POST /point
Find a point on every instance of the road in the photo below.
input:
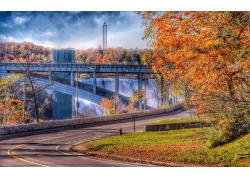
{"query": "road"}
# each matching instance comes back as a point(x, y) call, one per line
point(52, 149)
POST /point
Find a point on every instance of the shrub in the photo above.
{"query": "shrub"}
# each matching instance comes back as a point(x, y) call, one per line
point(227, 130)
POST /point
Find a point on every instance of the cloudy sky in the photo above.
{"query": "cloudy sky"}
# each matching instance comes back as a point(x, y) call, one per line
point(75, 29)
point(79, 25)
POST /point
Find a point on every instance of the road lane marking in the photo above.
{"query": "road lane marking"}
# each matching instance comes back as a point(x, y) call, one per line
point(61, 151)
point(32, 162)
point(13, 156)
point(95, 159)
point(21, 159)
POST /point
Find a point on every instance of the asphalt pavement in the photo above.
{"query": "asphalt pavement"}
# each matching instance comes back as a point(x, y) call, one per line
point(52, 149)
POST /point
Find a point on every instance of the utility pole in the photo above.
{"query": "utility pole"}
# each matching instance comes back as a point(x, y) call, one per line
point(24, 97)
point(145, 84)
point(77, 103)
point(157, 97)
point(115, 96)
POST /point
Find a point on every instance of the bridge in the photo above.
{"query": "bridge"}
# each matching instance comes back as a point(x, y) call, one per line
point(73, 68)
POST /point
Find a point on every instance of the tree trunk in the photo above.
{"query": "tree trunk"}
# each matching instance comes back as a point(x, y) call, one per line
point(34, 99)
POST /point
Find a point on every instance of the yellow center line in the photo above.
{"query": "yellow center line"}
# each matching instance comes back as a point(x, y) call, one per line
point(24, 159)
point(21, 159)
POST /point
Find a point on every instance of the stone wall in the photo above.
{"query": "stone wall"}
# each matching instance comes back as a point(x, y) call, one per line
point(50, 125)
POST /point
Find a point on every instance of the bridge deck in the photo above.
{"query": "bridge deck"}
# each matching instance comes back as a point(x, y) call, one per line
point(87, 68)
point(85, 90)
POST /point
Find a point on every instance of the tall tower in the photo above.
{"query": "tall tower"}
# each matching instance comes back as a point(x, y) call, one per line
point(104, 36)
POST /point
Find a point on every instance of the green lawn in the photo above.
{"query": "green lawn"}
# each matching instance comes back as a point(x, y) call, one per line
point(185, 146)
point(175, 121)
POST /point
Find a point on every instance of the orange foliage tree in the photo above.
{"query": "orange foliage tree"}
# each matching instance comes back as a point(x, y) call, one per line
point(9, 50)
point(12, 112)
point(112, 56)
point(108, 106)
point(11, 108)
point(209, 53)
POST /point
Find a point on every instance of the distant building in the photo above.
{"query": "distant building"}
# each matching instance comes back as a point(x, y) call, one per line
point(63, 56)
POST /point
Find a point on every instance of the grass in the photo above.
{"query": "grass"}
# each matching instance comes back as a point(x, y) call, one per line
point(181, 147)
point(176, 121)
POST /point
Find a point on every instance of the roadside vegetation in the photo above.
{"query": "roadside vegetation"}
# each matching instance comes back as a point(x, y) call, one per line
point(185, 147)
point(204, 56)
point(176, 121)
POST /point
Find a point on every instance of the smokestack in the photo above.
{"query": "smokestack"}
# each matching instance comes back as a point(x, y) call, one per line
point(104, 36)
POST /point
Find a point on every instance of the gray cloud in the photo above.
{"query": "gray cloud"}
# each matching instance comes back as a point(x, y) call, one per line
point(79, 30)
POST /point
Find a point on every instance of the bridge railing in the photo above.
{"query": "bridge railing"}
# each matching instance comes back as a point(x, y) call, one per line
point(77, 67)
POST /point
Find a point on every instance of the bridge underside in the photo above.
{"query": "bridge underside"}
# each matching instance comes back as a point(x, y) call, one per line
point(84, 91)
point(67, 89)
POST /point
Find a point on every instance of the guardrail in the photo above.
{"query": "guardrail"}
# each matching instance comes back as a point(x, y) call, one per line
point(49, 126)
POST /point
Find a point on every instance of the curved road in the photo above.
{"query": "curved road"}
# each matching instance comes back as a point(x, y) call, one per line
point(52, 149)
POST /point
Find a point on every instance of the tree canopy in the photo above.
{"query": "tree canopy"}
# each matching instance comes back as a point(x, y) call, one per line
point(209, 52)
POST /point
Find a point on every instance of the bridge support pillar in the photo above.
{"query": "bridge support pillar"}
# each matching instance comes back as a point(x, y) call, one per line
point(94, 82)
point(145, 94)
point(50, 75)
point(72, 79)
point(140, 87)
point(117, 84)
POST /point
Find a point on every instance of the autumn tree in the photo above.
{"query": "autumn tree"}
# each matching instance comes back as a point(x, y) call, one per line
point(90, 111)
point(138, 95)
point(26, 54)
point(2, 52)
point(111, 56)
point(110, 106)
point(117, 55)
point(8, 49)
point(209, 52)
point(81, 56)
point(11, 108)
point(146, 58)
